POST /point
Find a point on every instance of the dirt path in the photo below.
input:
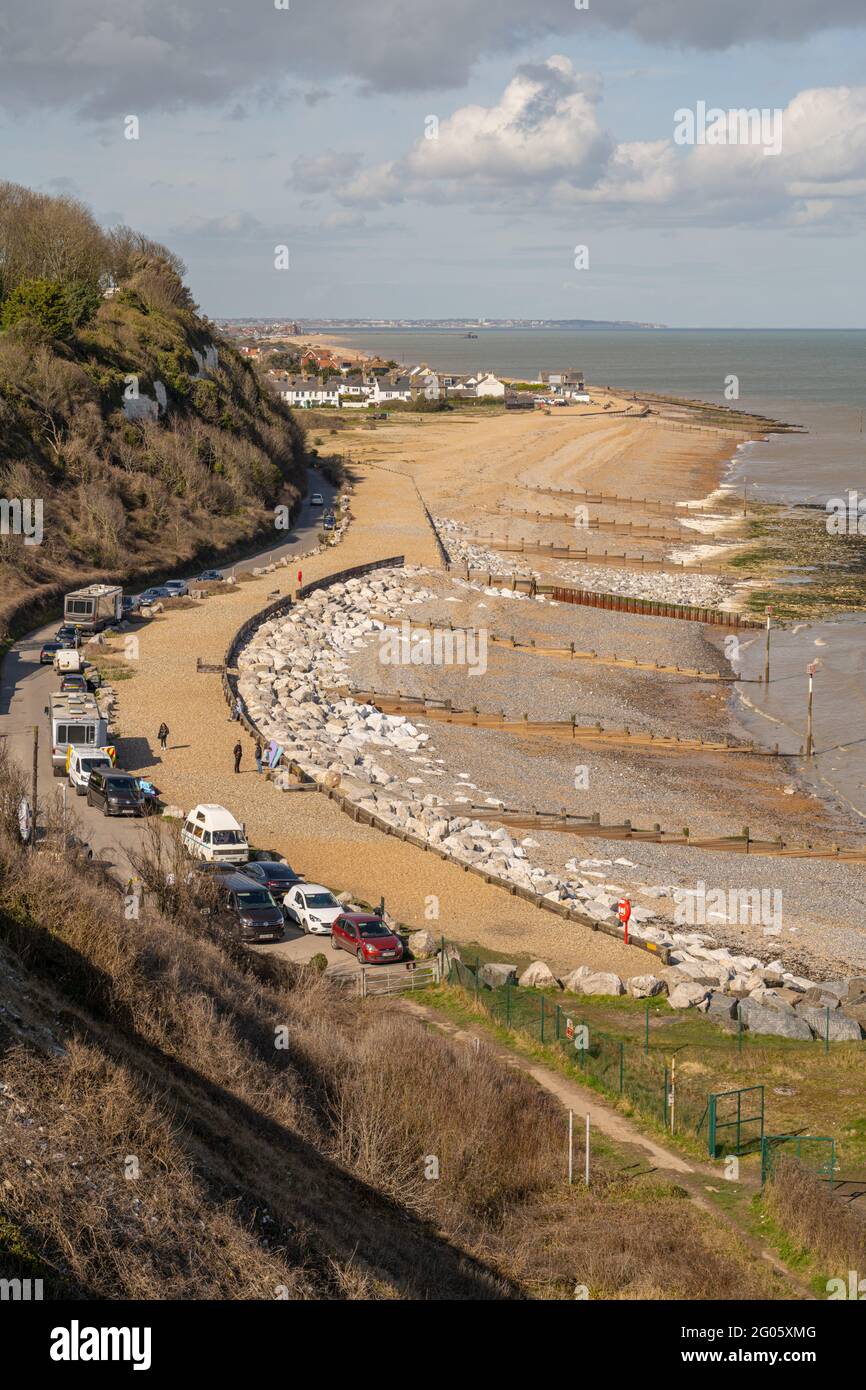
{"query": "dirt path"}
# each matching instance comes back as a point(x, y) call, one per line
point(696, 1178)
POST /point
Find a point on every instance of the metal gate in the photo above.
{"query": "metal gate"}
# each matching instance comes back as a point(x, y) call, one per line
point(740, 1111)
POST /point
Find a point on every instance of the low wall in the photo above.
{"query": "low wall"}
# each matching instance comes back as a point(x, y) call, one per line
point(364, 817)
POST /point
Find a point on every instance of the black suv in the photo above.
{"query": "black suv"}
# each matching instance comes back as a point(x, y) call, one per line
point(118, 793)
point(248, 909)
point(272, 874)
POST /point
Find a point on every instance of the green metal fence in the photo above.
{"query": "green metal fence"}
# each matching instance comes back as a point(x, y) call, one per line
point(632, 1069)
point(815, 1152)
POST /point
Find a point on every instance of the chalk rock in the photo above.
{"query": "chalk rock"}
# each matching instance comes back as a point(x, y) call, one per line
point(495, 974)
point(538, 975)
point(422, 944)
point(601, 982)
point(573, 980)
point(644, 986)
point(686, 996)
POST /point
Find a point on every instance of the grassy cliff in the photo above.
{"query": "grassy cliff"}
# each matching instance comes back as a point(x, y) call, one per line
point(148, 439)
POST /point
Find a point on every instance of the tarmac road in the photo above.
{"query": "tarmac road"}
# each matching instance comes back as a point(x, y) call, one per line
point(24, 690)
point(25, 687)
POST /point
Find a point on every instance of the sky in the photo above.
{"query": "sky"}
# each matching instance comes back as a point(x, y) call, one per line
point(528, 158)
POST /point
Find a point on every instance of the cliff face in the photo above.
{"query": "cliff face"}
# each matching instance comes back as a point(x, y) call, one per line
point(146, 440)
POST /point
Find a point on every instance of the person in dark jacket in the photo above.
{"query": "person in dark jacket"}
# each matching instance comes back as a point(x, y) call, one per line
point(238, 755)
point(163, 735)
point(259, 755)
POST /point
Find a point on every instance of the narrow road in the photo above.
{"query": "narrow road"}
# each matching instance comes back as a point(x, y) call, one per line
point(25, 687)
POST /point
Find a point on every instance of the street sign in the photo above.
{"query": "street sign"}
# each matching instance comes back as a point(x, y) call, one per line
point(569, 1028)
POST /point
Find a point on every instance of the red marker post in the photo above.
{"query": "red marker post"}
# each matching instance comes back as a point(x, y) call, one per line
point(300, 576)
point(623, 912)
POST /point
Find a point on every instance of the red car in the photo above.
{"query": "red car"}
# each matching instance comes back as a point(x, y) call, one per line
point(367, 937)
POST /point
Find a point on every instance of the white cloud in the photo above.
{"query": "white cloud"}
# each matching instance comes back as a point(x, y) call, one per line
point(542, 144)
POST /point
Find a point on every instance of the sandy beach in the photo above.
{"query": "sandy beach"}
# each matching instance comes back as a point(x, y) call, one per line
point(463, 467)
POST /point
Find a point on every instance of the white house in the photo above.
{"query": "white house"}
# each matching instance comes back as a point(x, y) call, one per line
point(302, 392)
point(487, 384)
point(391, 389)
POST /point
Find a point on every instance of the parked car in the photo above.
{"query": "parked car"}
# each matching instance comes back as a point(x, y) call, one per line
point(48, 652)
point(177, 587)
point(68, 636)
point(317, 500)
point(312, 907)
point(209, 577)
point(276, 876)
point(74, 681)
point(81, 761)
point(130, 604)
point(117, 793)
point(249, 909)
point(159, 591)
point(329, 521)
point(366, 936)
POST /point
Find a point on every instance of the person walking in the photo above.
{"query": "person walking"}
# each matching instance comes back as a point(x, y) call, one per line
point(239, 752)
point(259, 755)
point(163, 735)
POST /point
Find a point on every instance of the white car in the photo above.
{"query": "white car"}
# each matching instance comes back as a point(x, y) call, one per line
point(312, 907)
point(179, 587)
point(317, 500)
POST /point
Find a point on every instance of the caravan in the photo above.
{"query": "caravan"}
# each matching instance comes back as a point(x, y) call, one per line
point(75, 719)
point(93, 608)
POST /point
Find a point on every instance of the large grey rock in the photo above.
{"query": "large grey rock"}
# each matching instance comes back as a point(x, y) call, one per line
point(538, 975)
point(423, 944)
point(780, 1023)
point(856, 1010)
point(644, 986)
point(687, 996)
point(602, 982)
point(841, 1027)
point(495, 974)
point(721, 1007)
point(574, 980)
point(822, 996)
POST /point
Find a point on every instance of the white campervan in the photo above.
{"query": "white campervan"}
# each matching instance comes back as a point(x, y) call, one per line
point(212, 833)
point(80, 762)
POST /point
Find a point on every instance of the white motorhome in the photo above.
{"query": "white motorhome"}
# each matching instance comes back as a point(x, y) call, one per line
point(211, 832)
point(76, 719)
point(95, 607)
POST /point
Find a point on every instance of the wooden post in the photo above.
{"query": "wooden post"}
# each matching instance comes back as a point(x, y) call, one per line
point(34, 786)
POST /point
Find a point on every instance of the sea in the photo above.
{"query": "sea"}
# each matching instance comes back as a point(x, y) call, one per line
point(815, 379)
